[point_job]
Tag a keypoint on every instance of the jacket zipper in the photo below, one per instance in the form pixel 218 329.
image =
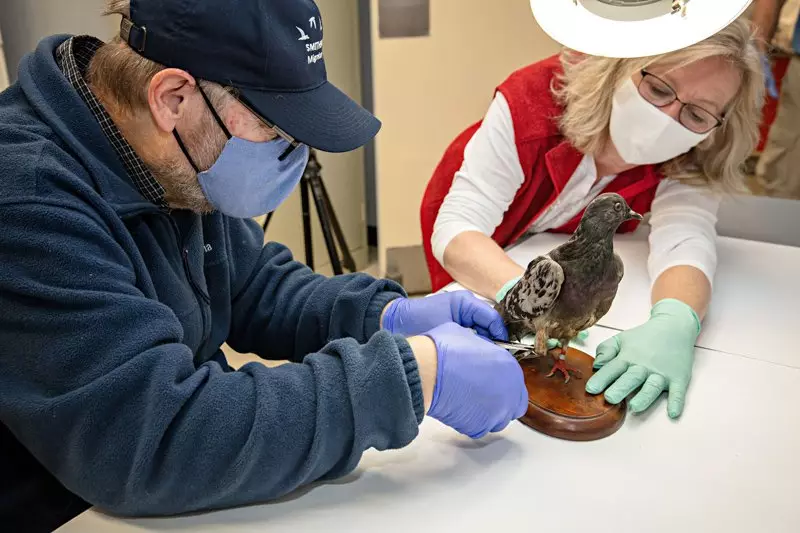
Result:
pixel 195 286
pixel 199 293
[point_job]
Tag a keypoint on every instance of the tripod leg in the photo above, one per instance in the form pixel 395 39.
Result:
pixel 266 221
pixel 347 259
pixel 309 245
pixel 325 223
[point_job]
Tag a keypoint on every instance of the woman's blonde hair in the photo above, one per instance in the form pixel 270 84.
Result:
pixel 586 87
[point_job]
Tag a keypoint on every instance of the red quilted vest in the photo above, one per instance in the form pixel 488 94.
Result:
pixel 547 160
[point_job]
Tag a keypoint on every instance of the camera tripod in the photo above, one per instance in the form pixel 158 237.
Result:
pixel 327 219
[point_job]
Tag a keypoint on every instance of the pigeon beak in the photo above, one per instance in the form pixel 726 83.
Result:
pixel 633 215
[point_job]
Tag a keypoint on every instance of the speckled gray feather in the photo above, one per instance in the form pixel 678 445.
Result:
pixel 572 287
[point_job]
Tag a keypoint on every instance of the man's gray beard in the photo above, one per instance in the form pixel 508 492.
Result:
pixel 181 187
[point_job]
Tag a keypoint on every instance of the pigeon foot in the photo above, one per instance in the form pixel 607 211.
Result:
pixel 560 365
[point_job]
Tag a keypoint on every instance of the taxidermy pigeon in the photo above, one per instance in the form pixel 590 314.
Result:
pixel 572 287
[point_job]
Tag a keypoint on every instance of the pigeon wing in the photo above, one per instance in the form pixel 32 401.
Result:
pixel 619 268
pixel 536 292
pixel 602 309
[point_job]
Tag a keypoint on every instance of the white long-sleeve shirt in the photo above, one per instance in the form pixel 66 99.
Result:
pixel 683 218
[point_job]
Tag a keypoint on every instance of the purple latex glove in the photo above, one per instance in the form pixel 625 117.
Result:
pixel 479 386
pixel 414 317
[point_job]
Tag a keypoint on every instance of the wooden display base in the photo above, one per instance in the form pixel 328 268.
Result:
pixel 567 411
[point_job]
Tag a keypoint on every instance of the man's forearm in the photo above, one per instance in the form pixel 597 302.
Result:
pixel 765 21
pixel 286 311
pixel 479 264
pixel 687 284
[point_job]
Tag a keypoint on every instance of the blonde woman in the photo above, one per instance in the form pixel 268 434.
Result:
pixel 666 132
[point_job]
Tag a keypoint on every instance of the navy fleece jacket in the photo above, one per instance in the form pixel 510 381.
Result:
pixel 112 312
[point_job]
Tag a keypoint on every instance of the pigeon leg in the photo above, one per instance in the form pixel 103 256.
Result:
pixel 540 346
pixel 560 365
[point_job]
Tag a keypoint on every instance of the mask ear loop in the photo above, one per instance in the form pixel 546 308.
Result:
pixel 184 150
pixel 216 117
pixel 214 111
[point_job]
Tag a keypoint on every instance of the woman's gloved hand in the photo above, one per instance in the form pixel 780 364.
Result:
pixel 414 317
pixel 479 386
pixel 656 356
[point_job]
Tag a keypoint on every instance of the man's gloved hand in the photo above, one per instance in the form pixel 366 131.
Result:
pixel 479 386
pixel 769 77
pixel 657 356
pixel 414 317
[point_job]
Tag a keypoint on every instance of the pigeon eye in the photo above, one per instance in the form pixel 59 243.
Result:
pixel 618 206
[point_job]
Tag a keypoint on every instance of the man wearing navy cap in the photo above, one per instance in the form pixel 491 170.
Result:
pixel 129 174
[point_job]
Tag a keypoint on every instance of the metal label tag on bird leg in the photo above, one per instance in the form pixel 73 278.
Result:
pixel 567 411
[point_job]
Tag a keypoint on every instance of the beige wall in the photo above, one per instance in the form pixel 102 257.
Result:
pixel 3 70
pixel 427 90
pixel 343 173
pixel 25 22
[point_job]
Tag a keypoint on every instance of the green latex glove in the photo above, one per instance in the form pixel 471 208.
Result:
pixel 505 288
pixel 655 356
pixel 554 343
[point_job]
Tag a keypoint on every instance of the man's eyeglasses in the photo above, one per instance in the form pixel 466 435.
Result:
pixel 692 117
pixel 293 143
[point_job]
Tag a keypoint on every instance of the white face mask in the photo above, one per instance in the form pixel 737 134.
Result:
pixel 645 135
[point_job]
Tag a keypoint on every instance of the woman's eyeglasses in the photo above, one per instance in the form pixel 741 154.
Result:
pixel 692 117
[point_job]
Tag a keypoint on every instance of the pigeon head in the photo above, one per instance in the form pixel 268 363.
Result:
pixel 605 213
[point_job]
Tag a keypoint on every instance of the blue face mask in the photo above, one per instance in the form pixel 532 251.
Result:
pixel 250 179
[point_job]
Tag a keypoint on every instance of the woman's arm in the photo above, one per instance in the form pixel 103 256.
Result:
pixel 481 192
pixel 683 255
pixel 687 284
pixel 683 232
pixel 479 264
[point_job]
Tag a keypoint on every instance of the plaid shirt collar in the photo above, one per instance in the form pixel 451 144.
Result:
pixel 73 57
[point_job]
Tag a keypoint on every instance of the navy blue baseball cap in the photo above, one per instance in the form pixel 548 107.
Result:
pixel 269 50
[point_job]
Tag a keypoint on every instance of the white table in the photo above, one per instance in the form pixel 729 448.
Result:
pixel 730 464
pixel 755 310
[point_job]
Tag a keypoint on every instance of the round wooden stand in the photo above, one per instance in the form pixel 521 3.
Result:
pixel 567 411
